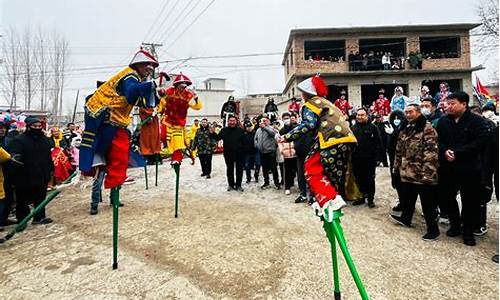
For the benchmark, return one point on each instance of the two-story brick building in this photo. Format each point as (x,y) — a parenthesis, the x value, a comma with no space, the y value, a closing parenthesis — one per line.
(350,59)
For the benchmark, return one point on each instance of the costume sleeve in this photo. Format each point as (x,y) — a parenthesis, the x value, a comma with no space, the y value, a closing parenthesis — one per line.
(309,122)
(4,155)
(133,90)
(195,103)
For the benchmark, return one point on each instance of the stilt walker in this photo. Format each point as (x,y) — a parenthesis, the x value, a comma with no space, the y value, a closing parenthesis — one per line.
(174,106)
(107,115)
(326,167)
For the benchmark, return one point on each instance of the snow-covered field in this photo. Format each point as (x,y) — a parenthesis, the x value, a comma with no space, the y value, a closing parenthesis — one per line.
(230,245)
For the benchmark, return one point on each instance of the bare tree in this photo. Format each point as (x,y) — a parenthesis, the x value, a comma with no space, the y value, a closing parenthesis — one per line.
(29,80)
(488,12)
(58,60)
(42,66)
(11,67)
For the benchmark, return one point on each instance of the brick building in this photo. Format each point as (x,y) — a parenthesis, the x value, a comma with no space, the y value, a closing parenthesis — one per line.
(350,59)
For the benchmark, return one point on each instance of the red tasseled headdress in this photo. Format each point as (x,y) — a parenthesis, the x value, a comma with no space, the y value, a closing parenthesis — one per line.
(320,86)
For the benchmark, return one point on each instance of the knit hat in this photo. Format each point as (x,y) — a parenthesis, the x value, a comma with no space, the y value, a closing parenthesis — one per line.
(31,120)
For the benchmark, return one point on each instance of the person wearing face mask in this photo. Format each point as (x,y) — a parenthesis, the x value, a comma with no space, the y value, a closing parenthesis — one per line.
(430,111)
(288,152)
(397,121)
(31,176)
(204,144)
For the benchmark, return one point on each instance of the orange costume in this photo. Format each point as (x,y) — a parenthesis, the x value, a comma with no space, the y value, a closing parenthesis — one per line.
(174,107)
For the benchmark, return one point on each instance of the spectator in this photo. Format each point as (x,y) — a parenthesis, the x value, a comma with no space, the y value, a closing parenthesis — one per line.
(228,109)
(416,164)
(399,100)
(271,110)
(295,105)
(442,95)
(462,135)
(343,104)
(364,157)
(381,106)
(287,149)
(205,145)
(233,138)
(386,61)
(265,142)
(487,157)
(382,153)
(302,148)
(397,120)
(252,156)
(430,111)
(31,179)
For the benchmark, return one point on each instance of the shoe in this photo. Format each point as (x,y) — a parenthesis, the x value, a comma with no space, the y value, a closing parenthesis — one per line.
(208,176)
(239,189)
(287,192)
(9,222)
(203,175)
(129,180)
(370,204)
(248,180)
(93,210)
(43,221)
(444,220)
(400,221)
(397,208)
(480,231)
(311,200)
(469,240)
(495,258)
(230,188)
(300,199)
(1,228)
(454,232)
(359,202)
(278,187)
(265,186)
(430,236)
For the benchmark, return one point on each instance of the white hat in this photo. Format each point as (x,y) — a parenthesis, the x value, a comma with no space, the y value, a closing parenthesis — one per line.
(314,86)
(142,56)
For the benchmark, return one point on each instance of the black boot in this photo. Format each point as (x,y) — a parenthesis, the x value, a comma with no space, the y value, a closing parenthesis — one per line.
(256,175)
(249,175)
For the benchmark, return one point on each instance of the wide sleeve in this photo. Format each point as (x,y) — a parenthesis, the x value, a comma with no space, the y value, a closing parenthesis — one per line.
(4,155)
(196,103)
(309,123)
(134,90)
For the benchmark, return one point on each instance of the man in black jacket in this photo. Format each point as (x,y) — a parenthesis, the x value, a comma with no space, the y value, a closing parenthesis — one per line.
(31,177)
(229,108)
(364,157)
(233,138)
(462,136)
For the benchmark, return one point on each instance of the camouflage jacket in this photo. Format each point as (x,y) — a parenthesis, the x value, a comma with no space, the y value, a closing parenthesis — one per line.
(417,154)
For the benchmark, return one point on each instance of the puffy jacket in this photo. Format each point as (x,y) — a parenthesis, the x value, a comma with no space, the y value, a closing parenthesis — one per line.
(417,153)
(265,140)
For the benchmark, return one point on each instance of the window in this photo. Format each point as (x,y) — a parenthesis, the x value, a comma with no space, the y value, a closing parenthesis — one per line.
(437,47)
(332,50)
(379,54)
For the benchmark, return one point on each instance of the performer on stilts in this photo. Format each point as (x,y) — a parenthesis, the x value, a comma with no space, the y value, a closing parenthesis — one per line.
(174,107)
(107,115)
(326,167)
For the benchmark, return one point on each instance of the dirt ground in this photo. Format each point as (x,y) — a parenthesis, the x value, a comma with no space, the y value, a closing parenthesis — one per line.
(229,245)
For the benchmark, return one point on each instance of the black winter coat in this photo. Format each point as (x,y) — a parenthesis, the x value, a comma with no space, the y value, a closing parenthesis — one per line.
(466,138)
(368,139)
(34,152)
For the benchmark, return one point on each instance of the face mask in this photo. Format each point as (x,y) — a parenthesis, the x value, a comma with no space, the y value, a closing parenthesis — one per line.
(397,122)
(426,111)
(36,132)
(287,121)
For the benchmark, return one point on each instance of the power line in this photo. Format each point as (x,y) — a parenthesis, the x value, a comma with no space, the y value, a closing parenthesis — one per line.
(155,32)
(191,24)
(170,29)
(156,19)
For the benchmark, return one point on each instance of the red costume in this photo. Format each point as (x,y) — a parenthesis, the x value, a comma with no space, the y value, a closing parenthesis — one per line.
(343,105)
(381,106)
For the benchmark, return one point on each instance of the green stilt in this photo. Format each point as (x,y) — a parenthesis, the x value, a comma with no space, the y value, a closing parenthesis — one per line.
(336,282)
(22,225)
(146,174)
(156,167)
(335,232)
(177,168)
(115,197)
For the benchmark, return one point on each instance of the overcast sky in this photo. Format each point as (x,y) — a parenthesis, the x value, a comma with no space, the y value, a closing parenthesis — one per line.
(107,32)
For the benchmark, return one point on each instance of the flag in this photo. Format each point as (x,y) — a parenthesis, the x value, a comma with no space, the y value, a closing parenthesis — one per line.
(481,89)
